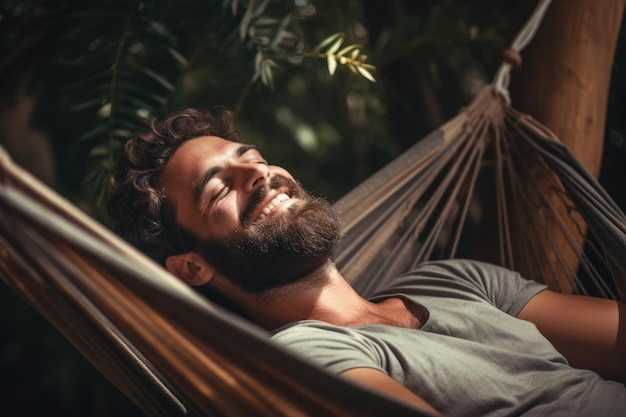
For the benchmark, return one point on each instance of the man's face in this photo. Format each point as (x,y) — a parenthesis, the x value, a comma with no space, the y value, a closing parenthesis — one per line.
(255,224)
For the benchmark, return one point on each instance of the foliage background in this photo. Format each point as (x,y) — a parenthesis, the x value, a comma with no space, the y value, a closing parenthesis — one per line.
(76,78)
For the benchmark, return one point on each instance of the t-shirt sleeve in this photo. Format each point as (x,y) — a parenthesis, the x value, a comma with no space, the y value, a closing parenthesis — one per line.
(335,348)
(505,289)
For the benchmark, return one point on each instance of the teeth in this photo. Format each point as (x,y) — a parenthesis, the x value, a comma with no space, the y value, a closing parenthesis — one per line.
(272,205)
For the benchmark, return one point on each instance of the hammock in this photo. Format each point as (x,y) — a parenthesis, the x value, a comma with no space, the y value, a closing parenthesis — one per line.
(174,353)
(416,208)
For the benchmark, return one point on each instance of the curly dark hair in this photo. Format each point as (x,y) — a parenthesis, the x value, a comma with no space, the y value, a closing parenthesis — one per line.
(139,211)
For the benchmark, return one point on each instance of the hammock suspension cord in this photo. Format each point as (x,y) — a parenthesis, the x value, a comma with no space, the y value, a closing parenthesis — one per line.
(524,37)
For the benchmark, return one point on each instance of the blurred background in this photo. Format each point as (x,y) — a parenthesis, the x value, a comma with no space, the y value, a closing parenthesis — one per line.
(78,78)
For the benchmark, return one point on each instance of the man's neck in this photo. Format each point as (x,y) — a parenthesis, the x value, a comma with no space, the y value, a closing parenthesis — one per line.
(323,296)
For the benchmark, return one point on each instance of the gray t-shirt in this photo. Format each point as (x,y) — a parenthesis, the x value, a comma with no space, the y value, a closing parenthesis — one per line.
(472,357)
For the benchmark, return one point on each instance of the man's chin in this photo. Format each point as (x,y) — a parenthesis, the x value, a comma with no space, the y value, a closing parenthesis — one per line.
(282,283)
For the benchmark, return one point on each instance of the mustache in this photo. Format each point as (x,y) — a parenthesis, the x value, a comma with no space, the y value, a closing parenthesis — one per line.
(260,193)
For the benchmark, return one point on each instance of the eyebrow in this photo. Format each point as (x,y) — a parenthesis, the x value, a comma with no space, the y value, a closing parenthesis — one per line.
(245,148)
(211,172)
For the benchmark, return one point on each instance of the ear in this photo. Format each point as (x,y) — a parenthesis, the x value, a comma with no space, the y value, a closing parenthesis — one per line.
(190,267)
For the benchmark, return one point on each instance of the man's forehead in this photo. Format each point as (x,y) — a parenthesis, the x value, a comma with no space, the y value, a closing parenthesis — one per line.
(203,149)
(207,144)
(197,155)
(189,157)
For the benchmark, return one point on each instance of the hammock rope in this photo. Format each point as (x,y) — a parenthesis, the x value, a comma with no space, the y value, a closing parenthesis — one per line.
(405,215)
(522,39)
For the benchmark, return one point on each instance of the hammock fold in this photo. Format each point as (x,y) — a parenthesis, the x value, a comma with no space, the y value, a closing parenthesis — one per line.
(173,352)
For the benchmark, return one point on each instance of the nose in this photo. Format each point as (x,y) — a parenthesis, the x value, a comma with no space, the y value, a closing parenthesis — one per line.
(253,175)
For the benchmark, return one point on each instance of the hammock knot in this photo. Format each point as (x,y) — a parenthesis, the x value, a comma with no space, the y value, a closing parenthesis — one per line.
(511,57)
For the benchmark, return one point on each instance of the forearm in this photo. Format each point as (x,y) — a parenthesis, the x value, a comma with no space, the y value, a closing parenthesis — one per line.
(385,384)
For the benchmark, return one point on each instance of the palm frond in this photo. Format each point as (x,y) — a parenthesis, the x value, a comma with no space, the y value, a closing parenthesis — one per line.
(132,61)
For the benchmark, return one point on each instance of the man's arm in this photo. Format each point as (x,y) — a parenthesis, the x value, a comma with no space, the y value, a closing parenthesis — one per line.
(380,381)
(590,332)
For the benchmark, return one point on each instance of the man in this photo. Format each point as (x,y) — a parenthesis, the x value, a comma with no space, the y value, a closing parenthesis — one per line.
(455,337)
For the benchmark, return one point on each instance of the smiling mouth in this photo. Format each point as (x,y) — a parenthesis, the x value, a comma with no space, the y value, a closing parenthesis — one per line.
(272,205)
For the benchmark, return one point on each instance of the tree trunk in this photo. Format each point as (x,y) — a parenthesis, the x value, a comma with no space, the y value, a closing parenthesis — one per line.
(565,78)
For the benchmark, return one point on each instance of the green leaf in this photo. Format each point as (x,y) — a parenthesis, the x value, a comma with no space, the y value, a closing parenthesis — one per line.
(93,103)
(123,133)
(233,6)
(98,130)
(332,64)
(348,49)
(154,76)
(281,32)
(365,73)
(265,21)
(100,150)
(328,41)
(178,57)
(267,75)
(258,61)
(246,20)
(335,46)
(259,10)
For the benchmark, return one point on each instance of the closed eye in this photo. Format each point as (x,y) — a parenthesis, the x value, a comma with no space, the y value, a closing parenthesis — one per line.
(218,194)
(255,158)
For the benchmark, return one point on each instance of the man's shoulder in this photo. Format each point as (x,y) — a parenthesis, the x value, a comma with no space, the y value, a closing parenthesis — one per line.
(449,271)
(311,335)
(458,264)
(469,280)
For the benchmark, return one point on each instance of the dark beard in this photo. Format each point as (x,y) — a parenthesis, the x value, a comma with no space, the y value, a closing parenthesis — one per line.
(283,248)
